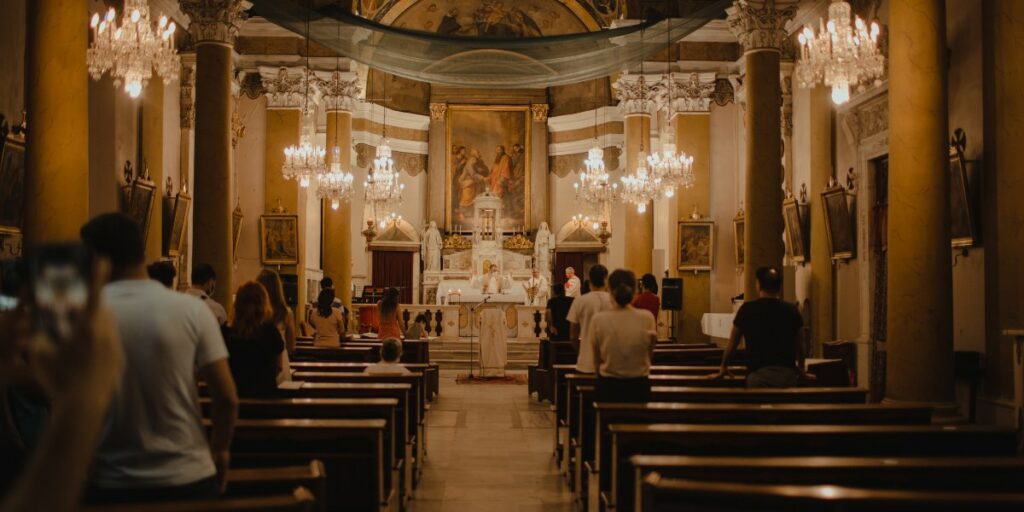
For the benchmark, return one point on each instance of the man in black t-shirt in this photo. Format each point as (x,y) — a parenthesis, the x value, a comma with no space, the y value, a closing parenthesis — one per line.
(557,310)
(772,329)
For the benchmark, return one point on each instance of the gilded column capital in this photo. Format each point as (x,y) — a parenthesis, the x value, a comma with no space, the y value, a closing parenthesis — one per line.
(540,112)
(286,88)
(438,111)
(692,94)
(636,95)
(214,21)
(761,24)
(339,90)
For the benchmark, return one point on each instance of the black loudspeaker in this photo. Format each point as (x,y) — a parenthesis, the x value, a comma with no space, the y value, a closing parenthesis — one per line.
(672,294)
(290,285)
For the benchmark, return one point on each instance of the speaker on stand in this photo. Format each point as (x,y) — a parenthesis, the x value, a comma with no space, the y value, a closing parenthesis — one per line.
(672,300)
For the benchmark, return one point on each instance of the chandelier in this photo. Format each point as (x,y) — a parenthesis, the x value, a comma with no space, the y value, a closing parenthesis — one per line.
(383,191)
(304,162)
(594,188)
(336,185)
(132,51)
(840,55)
(675,169)
(643,186)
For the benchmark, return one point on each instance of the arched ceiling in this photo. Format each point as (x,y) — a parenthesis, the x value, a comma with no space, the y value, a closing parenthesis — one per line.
(496,18)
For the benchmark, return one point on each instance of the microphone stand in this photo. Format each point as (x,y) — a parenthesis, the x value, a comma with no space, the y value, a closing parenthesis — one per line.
(472,325)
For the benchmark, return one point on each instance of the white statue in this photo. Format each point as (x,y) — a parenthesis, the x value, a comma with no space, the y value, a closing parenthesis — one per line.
(542,247)
(431,247)
(537,289)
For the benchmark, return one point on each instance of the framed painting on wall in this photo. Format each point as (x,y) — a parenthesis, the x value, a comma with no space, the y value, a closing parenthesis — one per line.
(139,197)
(961,225)
(488,148)
(279,239)
(236,230)
(696,245)
(738,225)
(842,241)
(175,222)
(795,216)
(12,182)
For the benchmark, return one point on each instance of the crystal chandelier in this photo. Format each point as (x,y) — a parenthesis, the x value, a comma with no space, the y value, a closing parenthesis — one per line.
(675,169)
(304,162)
(643,186)
(594,188)
(134,50)
(336,185)
(840,55)
(383,190)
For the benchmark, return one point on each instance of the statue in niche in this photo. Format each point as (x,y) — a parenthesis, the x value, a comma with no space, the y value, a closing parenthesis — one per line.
(431,247)
(542,248)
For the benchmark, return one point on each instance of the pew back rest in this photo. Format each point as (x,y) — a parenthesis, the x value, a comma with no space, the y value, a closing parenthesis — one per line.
(300,500)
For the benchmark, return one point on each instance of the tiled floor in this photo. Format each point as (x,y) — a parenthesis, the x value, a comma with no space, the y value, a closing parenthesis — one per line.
(490,450)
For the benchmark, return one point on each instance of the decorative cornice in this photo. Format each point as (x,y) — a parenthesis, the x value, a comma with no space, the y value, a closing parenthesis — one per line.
(214,21)
(186,109)
(540,112)
(761,24)
(636,95)
(340,91)
(438,111)
(287,88)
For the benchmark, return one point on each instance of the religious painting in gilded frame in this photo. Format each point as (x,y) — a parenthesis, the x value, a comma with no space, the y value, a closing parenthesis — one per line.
(488,148)
(842,241)
(175,222)
(236,230)
(738,226)
(795,218)
(12,182)
(696,245)
(139,197)
(961,225)
(279,239)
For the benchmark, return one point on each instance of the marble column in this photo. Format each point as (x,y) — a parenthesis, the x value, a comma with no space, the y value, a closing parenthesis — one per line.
(760,28)
(153,159)
(691,123)
(1003,213)
(57,96)
(214,28)
(822,285)
(340,93)
(919,343)
(635,99)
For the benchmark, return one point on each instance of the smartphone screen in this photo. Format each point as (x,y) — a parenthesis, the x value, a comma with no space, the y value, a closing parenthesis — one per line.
(60,276)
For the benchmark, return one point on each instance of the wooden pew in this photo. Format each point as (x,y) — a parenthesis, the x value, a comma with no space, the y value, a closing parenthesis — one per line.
(784,440)
(352,452)
(692,356)
(431,371)
(351,354)
(667,494)
(299,500)
(248,482)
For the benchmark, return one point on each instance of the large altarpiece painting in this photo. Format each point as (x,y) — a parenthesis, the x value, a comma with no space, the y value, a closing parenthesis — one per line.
(487,148)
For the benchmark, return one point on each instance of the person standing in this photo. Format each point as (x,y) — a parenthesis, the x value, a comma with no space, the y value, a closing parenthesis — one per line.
(623,340)
(254,343)
(387,309)
(556,313)
(572,283)
(536,288)
(580,313)
(772,331)
(281,316)
(328,324)
(155,447)
(204,282)
(648,299)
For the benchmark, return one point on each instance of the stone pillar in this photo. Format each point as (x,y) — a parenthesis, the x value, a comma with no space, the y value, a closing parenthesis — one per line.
(153,158)
(214,28)
(635,98)
(920,303)
(822,285)
(760,28)
(691,122)
(186,118)
(57,95)
(339,96)
(1003,213)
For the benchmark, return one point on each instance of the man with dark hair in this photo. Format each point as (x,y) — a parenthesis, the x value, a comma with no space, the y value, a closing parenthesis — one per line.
(557,312)
(772,329)
(163,272)
(326,283)
(580,313)
(155,447)
(204,282)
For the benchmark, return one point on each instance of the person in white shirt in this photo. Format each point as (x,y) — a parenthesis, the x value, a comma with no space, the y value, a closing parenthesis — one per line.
(204,282)
(580,313)
(494,282)
(572,283)
(390,355)
(537,289)
(622,340)
(155,447)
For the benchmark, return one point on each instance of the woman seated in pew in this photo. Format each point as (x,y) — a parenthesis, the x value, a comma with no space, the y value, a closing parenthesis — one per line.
(328,323)
(390,355)
(254,343)
(387,310)
(623,341)
(282,317)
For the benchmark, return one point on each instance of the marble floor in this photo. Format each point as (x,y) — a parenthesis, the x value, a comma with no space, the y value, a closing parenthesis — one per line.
(490,449)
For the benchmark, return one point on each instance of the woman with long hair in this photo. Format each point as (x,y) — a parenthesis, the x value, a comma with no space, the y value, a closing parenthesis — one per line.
(253,342)
(623,340)
(327,321)
(648,297)
(281,316)
(387,310)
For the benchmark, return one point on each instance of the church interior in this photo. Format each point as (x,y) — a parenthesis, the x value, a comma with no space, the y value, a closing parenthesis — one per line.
(460,166)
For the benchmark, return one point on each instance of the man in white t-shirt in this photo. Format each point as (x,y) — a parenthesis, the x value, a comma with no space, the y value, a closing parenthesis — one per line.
(155,447)
(390,355)
(580,313)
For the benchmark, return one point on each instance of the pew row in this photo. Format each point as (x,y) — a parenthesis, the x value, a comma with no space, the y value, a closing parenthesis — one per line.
(250,482)
(299,500)
(431,371)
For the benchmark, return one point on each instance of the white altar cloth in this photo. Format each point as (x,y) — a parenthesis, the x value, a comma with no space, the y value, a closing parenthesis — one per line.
(514,295)
(493,345)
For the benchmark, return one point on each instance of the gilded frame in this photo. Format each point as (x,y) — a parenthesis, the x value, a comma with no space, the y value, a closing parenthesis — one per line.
(706,228)
(794,216)
(452,111)
(842,237)
(175,222)
(292,241)
(738,227)
(962,227)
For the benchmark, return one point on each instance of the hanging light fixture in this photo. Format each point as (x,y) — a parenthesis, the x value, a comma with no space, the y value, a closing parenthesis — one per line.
(336,185)
(305,162)
(133,50)
(594,189)
(674,168)
(643,185)
(840,56)
(383,187)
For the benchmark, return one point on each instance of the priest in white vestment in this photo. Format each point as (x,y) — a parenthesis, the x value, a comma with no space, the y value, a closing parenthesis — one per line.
(537,289)
(494,282)
(572,283)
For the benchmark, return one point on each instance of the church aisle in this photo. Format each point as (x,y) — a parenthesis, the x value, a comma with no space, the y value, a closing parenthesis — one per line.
(490,449)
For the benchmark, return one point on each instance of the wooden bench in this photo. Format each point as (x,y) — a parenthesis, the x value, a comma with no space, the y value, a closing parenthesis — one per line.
(299,500)
(692,356)
(249,482)
(351,354)
(431,371)
(786,440)
(352,452)
(666,494)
